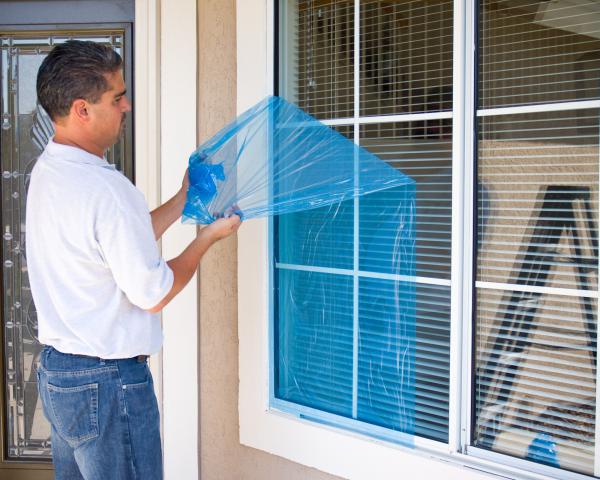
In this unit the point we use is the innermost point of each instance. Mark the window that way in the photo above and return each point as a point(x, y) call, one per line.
point(537, 256)
point(339, 336)
point(381, 73)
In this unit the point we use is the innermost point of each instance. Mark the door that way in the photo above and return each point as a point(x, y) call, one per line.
point(28, 31)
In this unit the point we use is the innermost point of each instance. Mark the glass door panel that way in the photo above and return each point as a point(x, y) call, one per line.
point(24, 131)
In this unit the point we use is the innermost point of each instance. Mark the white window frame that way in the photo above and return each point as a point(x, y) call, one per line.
point(165, 134)
point(331, 449)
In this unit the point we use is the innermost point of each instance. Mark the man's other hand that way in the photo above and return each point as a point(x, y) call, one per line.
point(223, 227)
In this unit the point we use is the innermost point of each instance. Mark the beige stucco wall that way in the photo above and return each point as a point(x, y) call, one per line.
point(221, 455)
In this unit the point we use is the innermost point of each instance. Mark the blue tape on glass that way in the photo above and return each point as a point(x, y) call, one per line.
point(542, 449)
point(275, 159)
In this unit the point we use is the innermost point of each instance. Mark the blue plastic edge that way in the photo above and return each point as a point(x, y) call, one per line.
point(338, 421)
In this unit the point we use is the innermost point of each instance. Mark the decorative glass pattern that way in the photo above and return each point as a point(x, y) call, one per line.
point(25, 130)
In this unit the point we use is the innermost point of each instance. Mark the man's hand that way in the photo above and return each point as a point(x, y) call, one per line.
point(223, 227)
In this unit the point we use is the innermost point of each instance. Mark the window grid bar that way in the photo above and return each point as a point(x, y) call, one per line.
point(362, 274)
point(539, 108)
point(355, 260)
point(515, 287)
point(404, 117)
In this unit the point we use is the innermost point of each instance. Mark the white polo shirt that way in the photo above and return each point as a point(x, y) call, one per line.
point(93, 262)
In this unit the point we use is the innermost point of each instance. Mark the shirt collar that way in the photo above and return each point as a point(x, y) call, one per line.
point(74, 154)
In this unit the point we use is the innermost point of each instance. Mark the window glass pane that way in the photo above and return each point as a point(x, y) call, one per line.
point(386, 354)
point(432, 361)
point(322, 237)
point(367, 252)
point(535, 347)
point(315, 343)
point(537, 232)
point(405, 56)
point(538, 199)
point(317, 56)
point(535, 384)
point(423, 151)
point(538, 51)
point(383, 240)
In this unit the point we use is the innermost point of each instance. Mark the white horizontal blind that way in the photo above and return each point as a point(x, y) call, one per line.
point(424, 154)
point(535, 52)
point(406, 56)
point(347, 252)
point(426, 157)
point(324, 49)
point(538, 176)
point(537, 224)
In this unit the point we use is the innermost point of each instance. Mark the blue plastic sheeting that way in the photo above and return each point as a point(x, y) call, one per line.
point(276, 159)
point(345, 340)
point(344, 333)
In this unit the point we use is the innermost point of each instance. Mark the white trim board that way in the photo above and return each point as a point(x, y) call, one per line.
point(165, 133)
point(147, 123)
point(178, 132)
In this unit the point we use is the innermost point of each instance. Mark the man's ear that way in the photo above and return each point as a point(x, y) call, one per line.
point(79, 109)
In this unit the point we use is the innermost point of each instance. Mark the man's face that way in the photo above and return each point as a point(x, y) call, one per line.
point(108, 114)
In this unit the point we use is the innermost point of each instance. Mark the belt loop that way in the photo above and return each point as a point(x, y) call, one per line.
point(43, 354)
point(46, 354)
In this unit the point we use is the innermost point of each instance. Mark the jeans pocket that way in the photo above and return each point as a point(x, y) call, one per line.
point(75, 412)
point(136, 376)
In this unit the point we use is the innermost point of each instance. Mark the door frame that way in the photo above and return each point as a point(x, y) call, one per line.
point(165, 85)
point(42, 469)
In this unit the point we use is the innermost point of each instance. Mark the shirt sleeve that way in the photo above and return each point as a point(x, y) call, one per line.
point(126, 239)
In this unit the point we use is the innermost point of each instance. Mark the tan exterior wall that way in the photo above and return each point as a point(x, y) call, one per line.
point(221, 455)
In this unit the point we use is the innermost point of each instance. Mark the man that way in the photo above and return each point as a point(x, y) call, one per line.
point(96, 275)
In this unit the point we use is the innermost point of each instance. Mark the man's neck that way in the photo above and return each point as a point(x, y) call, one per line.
point(64, 138)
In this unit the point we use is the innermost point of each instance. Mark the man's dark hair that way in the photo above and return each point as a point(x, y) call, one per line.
point(74, 69)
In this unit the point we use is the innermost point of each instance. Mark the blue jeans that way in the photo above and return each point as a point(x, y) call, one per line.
point(104, 417)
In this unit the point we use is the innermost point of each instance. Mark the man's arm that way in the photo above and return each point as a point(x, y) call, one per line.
point(184, 266)
point(165, 215)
